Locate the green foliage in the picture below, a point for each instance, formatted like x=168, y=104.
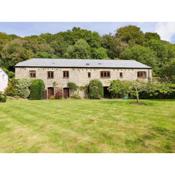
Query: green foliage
x=3, y=98
x=168, y=71
x=135, y=88
x=95, y=89
x=72, y=86
x=141, y=90
x=99, y=53
x=128, y=42
x=22, y=88
x=157, y=90
x=80, y=49
x=130, y=34
x=119, y=88
x=14, y=52
x=140, y=53
x=11, y=90
x=151, y=35
x=37, y=90
x=18, y=87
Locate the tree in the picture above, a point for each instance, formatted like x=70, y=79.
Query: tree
x=159, y=48
x=168, y=71
x=142, y=54
x=114, y=46
x=135, y=88
x=119, y=88
x=151, y=35
x=99, y=53
x=14, y=52
x=80, y=49
x=130, y=34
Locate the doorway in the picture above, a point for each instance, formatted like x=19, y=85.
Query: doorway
x=66, y=92
x=50, y=92
x=107, y=94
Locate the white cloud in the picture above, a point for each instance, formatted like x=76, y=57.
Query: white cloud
x=165, y=30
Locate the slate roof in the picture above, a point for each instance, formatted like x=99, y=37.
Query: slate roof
x=81, y=63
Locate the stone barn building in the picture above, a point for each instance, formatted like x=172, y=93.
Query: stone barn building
x=56, y=73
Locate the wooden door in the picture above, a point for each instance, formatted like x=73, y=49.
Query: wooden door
x=50, y=92
x=66, y=92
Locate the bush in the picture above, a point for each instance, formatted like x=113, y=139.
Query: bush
x=18, y=87
x=158, y=91
x=95, y=89
x=22, y=88
x=3, y=98
x=119, y=88
x=10, y=90
x=72, y=86
x=37, y=90
x=136, y=89
x=59, y=94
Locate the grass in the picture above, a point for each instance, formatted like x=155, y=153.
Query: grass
x=87, y=126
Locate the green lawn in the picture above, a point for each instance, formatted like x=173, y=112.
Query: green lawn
x=87, y=126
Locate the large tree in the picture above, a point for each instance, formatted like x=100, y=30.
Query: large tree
x=142, y=54
x=80, y=49
x=130, y=34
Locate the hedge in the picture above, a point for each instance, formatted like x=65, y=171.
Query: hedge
x=37, y=90
x=150, y=90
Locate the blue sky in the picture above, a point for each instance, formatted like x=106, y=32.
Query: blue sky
x=165, y=30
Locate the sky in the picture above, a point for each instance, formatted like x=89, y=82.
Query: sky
x=165, y=29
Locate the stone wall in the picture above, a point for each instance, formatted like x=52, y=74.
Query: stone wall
x=80, y=75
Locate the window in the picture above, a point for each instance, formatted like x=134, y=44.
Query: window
x=65, y=74
x=121, y=74
x=105, y=74
x=89, y=75
x=141, y=74
x=50, y=74
x=32, y=73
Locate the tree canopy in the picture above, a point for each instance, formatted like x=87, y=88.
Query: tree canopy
x=128, y=42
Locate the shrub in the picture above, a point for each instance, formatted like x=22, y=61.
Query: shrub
x=18, y=87
x=119, y=88
x=138, y=89
x=158, y=91
x=95, y=89
x=10, y=90
x=59, y=94
x=72, y=86
x=3, y=98
x=37, y=90
x=22, y=88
